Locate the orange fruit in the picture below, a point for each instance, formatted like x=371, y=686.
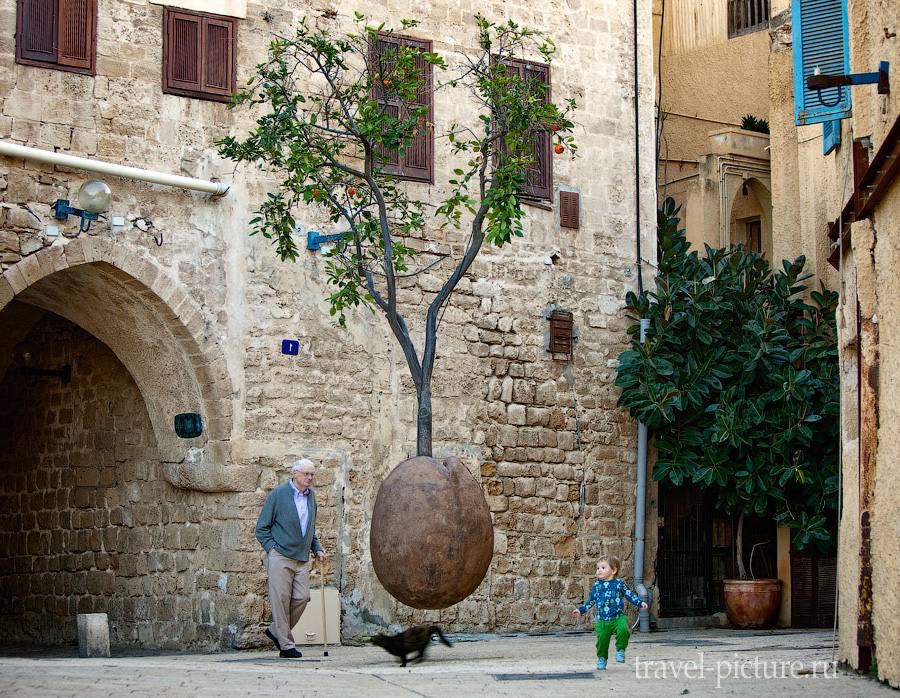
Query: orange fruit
x=559, y=149
x=351, y=191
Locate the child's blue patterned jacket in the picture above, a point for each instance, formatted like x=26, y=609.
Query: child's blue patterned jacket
x=606, y=598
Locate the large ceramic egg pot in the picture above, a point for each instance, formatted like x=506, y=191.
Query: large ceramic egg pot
x=431, y=538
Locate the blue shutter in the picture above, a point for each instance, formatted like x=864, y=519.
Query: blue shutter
x=831, y=135
x=820, y=40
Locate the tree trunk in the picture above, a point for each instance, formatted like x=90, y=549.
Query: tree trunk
x=739, y=547
x=424, y=420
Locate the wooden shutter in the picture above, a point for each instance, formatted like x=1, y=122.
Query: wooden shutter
x=383, y=59
x=416, y=161
x=37, y=30
x=218, y=56
x=831, y=136
x=561, y=327
x=821, y=41
x=77, y=33
x=538, y=175
x=183, y=50
x=418, y=158
x=813, y=589
x=569, y=209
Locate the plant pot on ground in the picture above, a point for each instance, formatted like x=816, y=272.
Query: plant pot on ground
x=750, y=603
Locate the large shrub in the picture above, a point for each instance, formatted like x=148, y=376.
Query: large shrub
x=737, y=380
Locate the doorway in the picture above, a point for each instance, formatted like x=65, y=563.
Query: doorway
x=696, y=551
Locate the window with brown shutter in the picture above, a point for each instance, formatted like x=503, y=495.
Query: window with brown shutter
x=569, y=209
x=199, y=55
x=561, y=333
x=416, y=163
x=59, y=34
x=538, y=175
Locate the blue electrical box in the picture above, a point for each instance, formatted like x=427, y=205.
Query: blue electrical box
x=291, y=347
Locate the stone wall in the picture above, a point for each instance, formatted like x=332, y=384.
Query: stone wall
x=88, y=525
x=542, y=435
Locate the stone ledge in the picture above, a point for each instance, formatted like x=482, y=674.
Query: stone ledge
x=210, y=477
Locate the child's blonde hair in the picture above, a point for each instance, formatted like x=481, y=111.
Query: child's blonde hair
x=611, y=560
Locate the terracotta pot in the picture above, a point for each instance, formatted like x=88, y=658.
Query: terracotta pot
x=752, y=603
x=432, y=538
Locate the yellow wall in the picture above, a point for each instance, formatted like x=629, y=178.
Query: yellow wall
x=810, y=189
x=708, y=82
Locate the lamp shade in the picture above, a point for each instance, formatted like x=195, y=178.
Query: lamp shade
x=95, y=196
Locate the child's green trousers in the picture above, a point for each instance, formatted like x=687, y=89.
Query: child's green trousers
x=605, y=629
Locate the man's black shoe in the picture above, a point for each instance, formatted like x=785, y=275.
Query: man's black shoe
x=292, y=653
x=273, y=638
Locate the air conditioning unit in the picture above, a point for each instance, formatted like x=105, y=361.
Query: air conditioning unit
x=308, y=630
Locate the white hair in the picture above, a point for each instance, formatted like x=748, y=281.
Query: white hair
x=301, y=465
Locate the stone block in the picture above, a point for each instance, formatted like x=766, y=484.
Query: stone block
x=516, y=414
x=93, y=635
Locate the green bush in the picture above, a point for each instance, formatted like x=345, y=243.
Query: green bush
x=751, y=123
x=738, y=382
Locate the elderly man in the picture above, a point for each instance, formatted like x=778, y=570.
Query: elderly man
x=287, y=530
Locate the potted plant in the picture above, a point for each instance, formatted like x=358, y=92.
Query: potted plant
x=737, y=380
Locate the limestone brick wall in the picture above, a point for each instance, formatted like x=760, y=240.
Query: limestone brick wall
x=542, y=435
x=87, y=524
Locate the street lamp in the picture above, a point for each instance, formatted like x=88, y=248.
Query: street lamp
x=94, y=196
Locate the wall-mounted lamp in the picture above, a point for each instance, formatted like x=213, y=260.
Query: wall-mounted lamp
x=820, y=82
x=188, y=425
x=94, y=197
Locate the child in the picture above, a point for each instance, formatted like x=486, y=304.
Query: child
x=606, y=597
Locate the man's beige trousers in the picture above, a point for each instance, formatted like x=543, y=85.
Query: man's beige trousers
x=288, y=594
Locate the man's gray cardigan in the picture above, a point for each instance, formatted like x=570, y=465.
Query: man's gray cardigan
x=278, y=525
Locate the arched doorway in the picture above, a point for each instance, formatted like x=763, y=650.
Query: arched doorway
x=105, y=509
x=750, y=215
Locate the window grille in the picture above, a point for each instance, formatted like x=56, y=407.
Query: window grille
x=747, y=16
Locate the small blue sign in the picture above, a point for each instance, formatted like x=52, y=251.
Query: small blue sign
x=291, y=347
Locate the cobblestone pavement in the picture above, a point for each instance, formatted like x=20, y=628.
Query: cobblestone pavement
x=670, y=663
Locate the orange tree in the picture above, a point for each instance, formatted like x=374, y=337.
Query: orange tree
x=325, y=126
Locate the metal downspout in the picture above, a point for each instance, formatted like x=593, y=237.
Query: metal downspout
x=640, y=512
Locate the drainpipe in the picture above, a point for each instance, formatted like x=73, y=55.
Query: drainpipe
x=640, y=513
x=49, y=157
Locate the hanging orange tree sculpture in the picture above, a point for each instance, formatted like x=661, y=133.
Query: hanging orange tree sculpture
x=336, y=110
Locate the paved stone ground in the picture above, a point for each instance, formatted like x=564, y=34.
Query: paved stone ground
x=659, y=664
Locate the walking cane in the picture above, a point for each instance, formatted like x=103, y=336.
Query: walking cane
x=322, y=592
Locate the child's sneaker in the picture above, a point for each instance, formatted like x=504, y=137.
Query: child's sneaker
x=620, y=656
x=601, y=663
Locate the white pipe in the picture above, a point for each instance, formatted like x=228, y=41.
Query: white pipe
x=108, y=168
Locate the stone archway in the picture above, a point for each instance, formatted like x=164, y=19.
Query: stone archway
x=103, y=507
x=749, y=198
x=122, y=297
